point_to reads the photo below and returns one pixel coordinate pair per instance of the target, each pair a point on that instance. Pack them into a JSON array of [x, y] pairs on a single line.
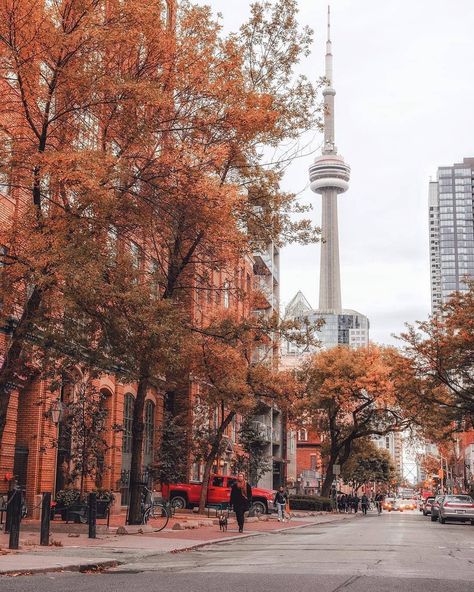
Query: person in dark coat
[[349, 503], [281, 500], [364, 502], [355, 502], [241, 499], [344, 503]]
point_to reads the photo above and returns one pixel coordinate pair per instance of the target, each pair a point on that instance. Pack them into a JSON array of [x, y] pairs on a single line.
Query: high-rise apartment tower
[[451, 229]]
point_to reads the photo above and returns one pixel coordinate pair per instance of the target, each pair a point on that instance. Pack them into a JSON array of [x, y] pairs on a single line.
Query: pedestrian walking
[[281, 500], [355, 503], [349, 503], [241, 499], [344, 502], [364, 503], [378, 502]]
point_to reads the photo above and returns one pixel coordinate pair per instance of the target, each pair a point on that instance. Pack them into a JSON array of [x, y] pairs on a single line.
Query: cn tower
[[329, 176]]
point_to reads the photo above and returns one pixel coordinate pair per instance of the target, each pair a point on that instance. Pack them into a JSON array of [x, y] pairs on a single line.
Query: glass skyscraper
[[451, 229]]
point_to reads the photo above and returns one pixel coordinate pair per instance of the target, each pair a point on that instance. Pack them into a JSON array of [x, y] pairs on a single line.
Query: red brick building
[[308, 460]]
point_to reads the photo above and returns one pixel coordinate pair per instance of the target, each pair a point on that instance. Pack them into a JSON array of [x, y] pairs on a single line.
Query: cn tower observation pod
[[329, 171]]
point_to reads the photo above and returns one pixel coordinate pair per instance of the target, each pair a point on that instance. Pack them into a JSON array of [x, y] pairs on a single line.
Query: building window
[[234, 429], [135, 253], [303, 435], [314, 462], [226, 294], [149, 427], [3, 255], [129, 404], [6, 153], [154, 278], [87, 131]]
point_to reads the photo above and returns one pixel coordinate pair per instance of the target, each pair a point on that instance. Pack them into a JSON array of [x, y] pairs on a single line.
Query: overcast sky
[[404, 76]]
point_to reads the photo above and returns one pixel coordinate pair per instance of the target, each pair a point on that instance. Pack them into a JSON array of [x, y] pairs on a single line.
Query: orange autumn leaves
[[347, 376]]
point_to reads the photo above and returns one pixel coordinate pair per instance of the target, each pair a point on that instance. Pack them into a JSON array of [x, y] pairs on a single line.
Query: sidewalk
[[76, 552]]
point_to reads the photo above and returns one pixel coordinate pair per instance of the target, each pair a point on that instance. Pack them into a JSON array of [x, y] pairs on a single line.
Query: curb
[[79, 567]]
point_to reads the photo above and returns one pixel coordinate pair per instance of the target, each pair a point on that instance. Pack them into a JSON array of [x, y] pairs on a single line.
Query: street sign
[[336, 469]]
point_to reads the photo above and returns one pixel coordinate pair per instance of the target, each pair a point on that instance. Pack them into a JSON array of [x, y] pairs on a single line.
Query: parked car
[[426, 507], [187, 495], [435, 507], [456, 507]]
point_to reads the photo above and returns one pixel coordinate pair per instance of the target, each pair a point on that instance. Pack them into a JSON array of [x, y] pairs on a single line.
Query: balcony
[[264, 432]]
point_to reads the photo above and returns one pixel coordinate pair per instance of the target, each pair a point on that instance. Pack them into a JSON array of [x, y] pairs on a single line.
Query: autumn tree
[[206, 201], [143, 164], [233, 380], [441, 353], [367, 464], [62, 103], [350, 394]]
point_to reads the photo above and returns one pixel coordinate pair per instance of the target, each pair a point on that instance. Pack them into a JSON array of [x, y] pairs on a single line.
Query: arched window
[[303, 435], [149, 427], [129, 404]]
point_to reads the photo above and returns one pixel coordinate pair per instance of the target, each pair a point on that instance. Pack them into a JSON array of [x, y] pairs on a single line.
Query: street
[[388, 553]]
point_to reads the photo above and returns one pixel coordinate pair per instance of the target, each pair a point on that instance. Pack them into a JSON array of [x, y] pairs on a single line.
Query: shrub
[[104, 495], [67, 497], [312, 503]]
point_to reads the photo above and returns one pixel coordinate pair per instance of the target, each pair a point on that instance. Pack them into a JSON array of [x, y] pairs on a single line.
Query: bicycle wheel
[[159, 517], [146, 515]]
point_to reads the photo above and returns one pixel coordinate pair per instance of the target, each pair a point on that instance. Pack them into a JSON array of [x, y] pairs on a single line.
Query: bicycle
[[158, 510]]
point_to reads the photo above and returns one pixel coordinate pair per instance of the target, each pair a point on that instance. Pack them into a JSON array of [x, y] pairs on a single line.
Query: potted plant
[[67, 501], [105, 498]]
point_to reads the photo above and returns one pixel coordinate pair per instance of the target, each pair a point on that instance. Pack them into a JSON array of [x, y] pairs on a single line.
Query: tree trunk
[[211, 458], [12, 366], [136, 465], [328, 479]]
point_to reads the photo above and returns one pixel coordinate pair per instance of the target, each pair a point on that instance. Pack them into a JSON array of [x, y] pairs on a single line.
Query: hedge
[[313, 503]]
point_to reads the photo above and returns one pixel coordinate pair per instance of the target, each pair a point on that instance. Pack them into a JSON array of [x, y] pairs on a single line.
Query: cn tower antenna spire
[[328, 42], [329, 93]]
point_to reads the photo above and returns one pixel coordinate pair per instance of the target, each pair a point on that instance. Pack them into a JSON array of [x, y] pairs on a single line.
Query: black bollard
[[92, 515], [45, 519], [15, 518]]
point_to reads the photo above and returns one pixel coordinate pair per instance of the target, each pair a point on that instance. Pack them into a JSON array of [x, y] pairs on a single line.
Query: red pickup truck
[[187, 495]]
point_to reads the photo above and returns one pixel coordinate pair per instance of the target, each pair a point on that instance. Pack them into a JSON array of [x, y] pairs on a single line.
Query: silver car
[[435, 504], [456, 507]]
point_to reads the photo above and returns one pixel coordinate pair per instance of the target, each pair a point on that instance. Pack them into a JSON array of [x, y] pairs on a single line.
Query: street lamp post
[[56, 412]]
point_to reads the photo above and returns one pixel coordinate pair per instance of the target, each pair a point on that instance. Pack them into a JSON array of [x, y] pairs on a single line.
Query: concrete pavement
[[78, 553], [395, 552]]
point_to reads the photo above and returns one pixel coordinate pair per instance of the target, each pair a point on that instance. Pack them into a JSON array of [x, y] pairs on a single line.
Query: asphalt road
[[394, 552]]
